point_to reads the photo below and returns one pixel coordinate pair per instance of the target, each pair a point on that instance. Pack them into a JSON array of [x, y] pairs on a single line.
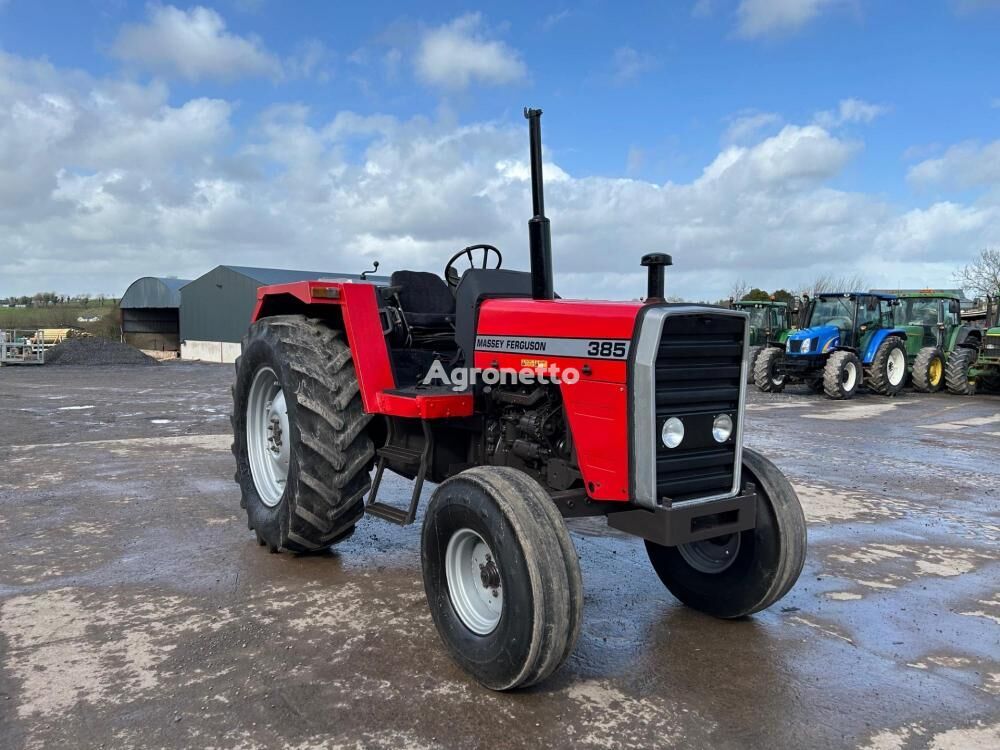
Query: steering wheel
[[452, 276]]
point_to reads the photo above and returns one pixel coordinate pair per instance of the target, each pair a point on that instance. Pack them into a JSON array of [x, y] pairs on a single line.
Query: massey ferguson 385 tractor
[[331, 385], [847, 339]]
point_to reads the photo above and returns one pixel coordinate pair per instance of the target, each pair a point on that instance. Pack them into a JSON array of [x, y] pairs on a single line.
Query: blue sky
[[768, 140]]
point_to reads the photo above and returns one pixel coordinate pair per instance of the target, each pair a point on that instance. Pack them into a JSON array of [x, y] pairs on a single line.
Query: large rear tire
[[928, 370], [739, 574], [303, 456], [842, 375], [501, 576], [769, 370], [886, 375], [958, 371]]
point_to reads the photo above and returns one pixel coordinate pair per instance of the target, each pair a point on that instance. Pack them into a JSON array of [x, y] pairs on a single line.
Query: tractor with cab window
[[333, 388], [847, 340], [987, 368], [770, 324], [940, 348]]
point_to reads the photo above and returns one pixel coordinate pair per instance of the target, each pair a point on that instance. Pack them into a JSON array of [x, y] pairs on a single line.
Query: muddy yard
[[136, 610]]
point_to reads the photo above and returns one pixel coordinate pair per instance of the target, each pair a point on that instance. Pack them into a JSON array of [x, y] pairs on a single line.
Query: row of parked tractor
[[838, 343]]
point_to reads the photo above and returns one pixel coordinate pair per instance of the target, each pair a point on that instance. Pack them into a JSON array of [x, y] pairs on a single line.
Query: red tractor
[[629, 410]]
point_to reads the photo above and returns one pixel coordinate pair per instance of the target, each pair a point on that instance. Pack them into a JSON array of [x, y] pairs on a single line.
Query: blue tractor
[[846, 340]]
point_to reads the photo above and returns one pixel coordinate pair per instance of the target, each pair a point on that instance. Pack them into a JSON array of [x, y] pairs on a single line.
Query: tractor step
[[404, 459], [389, 513]]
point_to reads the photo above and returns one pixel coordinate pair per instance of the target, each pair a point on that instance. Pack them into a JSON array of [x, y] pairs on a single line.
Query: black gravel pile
[[92, 350]]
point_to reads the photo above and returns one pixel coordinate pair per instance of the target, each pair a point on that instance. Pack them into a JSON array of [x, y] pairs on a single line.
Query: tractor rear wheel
[[739, 574], [769, 370], [886, 375], [957, 372], [303, 455], [752, 354], [842, 375], [928, 370], [501, 575]]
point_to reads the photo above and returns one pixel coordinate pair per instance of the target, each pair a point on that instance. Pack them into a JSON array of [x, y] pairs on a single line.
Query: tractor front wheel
[[739, 574], [303, 455], [501, 576], [958, 371], [769, 370], [887, 373], [928, 370], [752, 353], [842, 375]]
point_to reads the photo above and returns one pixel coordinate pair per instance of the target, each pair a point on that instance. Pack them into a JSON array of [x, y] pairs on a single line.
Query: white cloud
[[851, 111], [965, 165], [628, 64], [456, 54], [103, 181], [703, 8], [756, 18], [193, 44], [747, 126]]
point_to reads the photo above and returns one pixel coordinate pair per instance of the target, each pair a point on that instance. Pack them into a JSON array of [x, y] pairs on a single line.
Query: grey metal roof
[[283, 275], [153, 291]]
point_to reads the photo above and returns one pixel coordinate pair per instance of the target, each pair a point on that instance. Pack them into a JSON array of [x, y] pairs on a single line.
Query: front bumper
[[799, 365], [690, 521]]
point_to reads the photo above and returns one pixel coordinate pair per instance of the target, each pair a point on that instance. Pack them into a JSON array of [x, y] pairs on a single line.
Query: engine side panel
[[592, 338]]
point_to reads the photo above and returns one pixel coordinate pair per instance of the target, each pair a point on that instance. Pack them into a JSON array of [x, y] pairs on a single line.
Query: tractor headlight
[[806, 346], [672, 432], [722, 428]]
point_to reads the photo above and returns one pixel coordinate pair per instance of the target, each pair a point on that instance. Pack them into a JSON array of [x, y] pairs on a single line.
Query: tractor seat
[[424, 299]]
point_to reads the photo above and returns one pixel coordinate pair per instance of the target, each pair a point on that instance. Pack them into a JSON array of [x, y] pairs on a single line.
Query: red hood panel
[[561, 317]]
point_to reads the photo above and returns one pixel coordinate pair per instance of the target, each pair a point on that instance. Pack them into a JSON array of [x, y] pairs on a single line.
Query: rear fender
[[348, 306], [876, 340]]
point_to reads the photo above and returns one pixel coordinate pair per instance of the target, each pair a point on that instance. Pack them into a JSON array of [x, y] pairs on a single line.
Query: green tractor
[[940, 350], [987, 369], [770, 324]]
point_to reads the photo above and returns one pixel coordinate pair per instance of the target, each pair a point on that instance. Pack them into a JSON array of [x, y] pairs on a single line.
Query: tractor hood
[[821, 339]]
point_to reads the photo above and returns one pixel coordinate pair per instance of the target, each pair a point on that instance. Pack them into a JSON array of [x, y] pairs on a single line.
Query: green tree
[[756, 295], [783, 295]]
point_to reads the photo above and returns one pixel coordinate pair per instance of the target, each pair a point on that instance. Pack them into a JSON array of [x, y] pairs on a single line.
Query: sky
[[769, 141]]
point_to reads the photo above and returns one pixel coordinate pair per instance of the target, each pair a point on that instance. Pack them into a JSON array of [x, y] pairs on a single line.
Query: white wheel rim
[[268, 436], [474, 584], [895, 367], [850, 376]]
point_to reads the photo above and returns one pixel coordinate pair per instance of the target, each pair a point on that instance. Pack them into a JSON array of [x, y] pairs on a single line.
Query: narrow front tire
[[501, 577]]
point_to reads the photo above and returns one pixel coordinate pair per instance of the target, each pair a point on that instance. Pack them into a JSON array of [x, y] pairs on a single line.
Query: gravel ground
[[137, 611], [93, 350]]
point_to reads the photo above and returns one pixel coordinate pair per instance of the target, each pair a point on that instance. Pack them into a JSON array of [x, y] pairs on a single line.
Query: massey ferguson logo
[[510, 345]]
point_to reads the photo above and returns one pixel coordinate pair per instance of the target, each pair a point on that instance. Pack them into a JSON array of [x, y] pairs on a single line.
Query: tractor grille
[[992, 346], [794, 345], [698, 376]]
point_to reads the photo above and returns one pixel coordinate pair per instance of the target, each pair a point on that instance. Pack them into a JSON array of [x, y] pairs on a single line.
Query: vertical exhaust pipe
[[539, 232]]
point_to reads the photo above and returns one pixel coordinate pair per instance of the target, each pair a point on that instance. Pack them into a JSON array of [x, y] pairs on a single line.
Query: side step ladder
[[408, 460]]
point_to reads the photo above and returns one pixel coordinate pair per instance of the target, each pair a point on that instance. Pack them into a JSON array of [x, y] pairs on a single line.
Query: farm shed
[[150, 313], [216, 307]]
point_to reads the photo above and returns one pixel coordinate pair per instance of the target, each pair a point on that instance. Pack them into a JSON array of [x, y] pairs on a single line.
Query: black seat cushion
[[425, 298]]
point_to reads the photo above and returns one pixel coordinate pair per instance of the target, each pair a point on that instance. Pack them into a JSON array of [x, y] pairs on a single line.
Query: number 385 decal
[[609, 349]]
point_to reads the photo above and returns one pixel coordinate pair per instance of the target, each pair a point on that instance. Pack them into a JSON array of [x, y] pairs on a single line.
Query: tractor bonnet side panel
[[592, 338]]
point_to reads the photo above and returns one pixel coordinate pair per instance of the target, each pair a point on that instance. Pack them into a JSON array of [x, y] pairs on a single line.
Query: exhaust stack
[[539, 232]]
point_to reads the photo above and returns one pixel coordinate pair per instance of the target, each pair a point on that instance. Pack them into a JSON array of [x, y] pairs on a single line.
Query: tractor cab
[[769, 320]]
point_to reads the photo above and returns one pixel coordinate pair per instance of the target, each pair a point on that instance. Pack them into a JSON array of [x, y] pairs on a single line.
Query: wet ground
[[136, 610]]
